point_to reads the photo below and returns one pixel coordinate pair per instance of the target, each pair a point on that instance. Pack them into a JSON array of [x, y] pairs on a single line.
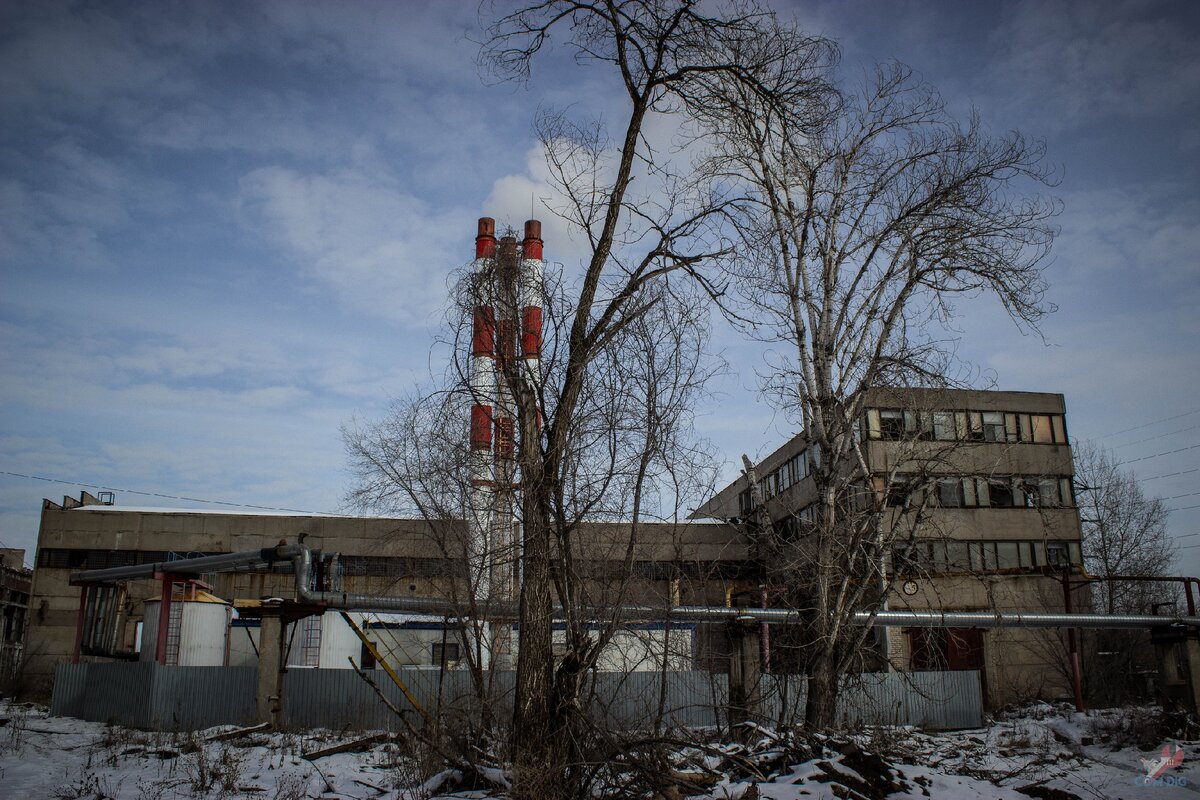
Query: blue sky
[[225, 228]]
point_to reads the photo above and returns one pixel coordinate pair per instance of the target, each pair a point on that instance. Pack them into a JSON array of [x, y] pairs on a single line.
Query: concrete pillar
[[745, 672], [272, 653]]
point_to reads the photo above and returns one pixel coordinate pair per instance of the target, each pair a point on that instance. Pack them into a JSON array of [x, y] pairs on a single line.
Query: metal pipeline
[[302, 563], [186, 566]]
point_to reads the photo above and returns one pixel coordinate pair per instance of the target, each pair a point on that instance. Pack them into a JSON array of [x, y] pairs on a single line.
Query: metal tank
[[198, 635]]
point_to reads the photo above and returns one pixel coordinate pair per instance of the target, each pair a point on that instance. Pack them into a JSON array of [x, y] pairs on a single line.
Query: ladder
[[175, 625], [312, 641]]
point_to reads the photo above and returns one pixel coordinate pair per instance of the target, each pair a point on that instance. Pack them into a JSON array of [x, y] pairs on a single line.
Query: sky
[[226, 230]]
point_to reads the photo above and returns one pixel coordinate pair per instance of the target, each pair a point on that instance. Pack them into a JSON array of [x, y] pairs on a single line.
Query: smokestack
[[485, 238], [483, 390], [531, 291]]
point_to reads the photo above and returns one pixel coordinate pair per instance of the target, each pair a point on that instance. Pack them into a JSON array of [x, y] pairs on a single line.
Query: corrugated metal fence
[[147, 695]]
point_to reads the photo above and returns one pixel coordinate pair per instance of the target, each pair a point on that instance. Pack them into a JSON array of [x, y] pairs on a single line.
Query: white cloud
[[375, 246]]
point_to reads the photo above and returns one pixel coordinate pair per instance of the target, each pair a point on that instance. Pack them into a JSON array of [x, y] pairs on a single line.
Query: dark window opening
[[445, 655]]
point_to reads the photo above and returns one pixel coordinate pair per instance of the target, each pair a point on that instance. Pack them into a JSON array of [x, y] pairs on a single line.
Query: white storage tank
[[198, 635]]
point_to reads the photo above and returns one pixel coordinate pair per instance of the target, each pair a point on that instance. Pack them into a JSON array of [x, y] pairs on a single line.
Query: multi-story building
[[995, 469], [991, 473]]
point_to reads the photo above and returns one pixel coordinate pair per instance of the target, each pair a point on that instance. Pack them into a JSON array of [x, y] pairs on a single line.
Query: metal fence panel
[[938, 700], [190, 698], [69, 689], [147, 695]]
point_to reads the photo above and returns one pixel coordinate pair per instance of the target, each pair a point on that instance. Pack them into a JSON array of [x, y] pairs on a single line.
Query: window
[[905, 559], [1011, 427], [924, 424], [1057, 554], [950, 493], [893, 493], [1043, 433], [1000, 493], [1007, 555], [983, 556], [366, 657], [943, 426], [891, 423], [993, 427], [445, 655], [1048, 493], [957, 557], [975, 426]]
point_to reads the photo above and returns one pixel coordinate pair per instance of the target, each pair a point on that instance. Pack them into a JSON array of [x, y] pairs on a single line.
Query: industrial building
[[1005, 525], [998, 533], [1001, 526], [687, 562]]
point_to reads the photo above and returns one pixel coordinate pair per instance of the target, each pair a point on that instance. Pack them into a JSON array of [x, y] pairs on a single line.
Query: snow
[[1039, 749]]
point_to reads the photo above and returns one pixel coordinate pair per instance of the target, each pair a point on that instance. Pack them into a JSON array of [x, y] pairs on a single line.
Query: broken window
[[943, 426], [950, 493], [1000, 493], [891, 423]]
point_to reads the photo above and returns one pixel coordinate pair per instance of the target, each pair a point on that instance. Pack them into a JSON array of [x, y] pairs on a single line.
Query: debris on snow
[[1043, 752]]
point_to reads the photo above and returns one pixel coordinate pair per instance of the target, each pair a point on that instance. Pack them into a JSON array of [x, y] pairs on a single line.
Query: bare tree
[[628, 457], [861, 229], [1124, 532], [666, 56]]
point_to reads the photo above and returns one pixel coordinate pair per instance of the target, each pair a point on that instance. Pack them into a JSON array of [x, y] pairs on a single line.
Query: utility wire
[[1169, 475], [1148, 424], [1152, 438], [1157, 455], [165, 496]]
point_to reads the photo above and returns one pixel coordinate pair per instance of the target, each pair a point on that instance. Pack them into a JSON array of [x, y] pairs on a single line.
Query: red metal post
[[164, 617], [1072, 642]]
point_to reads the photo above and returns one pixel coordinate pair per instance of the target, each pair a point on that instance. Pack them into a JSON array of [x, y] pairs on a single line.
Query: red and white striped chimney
[[483, 392], [531, 291]]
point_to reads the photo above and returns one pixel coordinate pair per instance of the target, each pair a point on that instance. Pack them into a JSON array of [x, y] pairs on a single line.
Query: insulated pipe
[[1017, 619], [302, 560], [184, 566]]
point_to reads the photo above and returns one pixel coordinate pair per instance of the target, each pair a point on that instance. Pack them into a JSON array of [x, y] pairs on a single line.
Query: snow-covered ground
[[1043, 752]]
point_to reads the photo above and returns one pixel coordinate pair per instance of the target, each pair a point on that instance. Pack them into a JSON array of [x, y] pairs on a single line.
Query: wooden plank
[[356, 746]]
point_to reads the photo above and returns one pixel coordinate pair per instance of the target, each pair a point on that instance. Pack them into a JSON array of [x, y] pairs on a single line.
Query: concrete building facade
[[992, 472]]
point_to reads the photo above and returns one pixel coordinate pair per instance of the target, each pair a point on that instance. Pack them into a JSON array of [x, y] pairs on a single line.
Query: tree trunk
[[820, 708], [537, 757]]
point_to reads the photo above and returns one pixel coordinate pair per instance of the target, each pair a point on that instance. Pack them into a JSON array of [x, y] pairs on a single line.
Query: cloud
[[1081, 61], [377, 247]]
